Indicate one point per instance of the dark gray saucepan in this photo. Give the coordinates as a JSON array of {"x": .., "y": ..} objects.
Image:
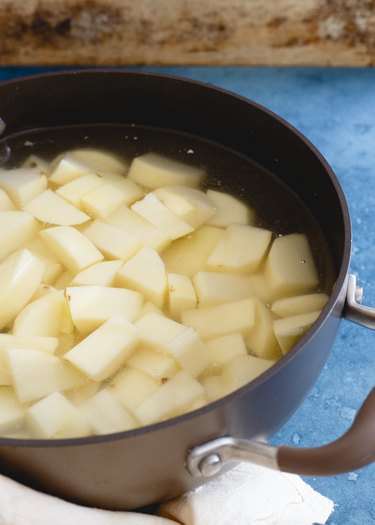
[{"x": 135, "y": 468}]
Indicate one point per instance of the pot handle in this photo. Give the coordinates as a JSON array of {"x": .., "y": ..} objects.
[
  {"x": 354, "y": 310},
  {"x": 353, "y": 450}
]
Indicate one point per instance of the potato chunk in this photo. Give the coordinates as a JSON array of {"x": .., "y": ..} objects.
[
  {"x": 288, "y": 331},
  {"x": 243, "y": 369},
  {"x": 12, "y": 412},
  {"x": 230, "y": 210},
  {"x": 103, "y": 201},
  {"x": 262, "y": 341},
  {"x": 50, "y": 208},
  {"x": 181, "y": 294},
  {"x": 300, "y": 304},
  {"x": 6, "y": 204},
  {"x": 154, "y": 171},
  {"x": 22, "y": 184},
  {"x": 157, "y": 331},
  {"x": 190, "y": 352},
  {"x": 216, "y": 288},
  {"x": 132, "y": 387},
  {"x": 111, "y": 241},
  {"x": 101, "y": 273},
  {"x": 223, "y": 349},
  {"x": 74, "y": 190},
  {"x": 290, "y": 267},
  {"x": 155, "y": 364},
  {"x": 16, "y": 229}
]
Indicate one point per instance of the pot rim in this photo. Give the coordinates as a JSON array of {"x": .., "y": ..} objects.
[{"x": 292, "y": 354}]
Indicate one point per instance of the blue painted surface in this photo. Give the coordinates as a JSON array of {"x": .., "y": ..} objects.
[{"x": 335, "y": 109}]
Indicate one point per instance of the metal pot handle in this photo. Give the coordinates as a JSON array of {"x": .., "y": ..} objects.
[{"x": 353, "y": 450}]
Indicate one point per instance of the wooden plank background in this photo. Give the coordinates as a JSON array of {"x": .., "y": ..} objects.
[{"x": 195, "y": 32}]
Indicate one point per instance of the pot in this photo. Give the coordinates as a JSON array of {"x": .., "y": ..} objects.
[{"x": 161, "y": 461}]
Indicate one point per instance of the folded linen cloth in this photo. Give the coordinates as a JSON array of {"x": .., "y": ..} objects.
[{"x": 246, "y": 495}]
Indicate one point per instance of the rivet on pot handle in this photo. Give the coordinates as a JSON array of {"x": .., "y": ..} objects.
[
  {"x": 354, "y": 310},
  {"x": 353, "y": 450}
]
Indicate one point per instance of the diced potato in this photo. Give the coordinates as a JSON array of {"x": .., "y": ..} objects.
[
  {"x": 156, "y": 213},
  {"x": 74, "y": 190},
  {"x": 16, "y": 229},
  {"x": 36, "y": 374},
  {"x": 189, "y": 255},
  {"x": 300, "y": 304},
  {"x": 12, "y": 413},
  {"x": 154, "y": 171},
  {"x": 189, "y": 204},
  {"x": 47, "y": 316},
  {"x": 223, "y": 319},
  {"x": 214, "y": 387},
  {"x": 132, "y": 223},
  {"x": 145, "y": 272},
  {"x": 243, "y": 369},
  {"x": 190, "y": 352},
  {"x": 6, "y": 204},
  {"x": 64, "y": 280},
  {"x": 149, "y": 308},
  {"x": 170, "y": 399},
  {"x": 131, "y": 191},
  {"x": 290, "y": 267},
  {"x": 223, "y": 349},
  {"x": 22, "y": 184},
  {"x": 106, "y": 415},
  {"x": 52, "y": 268},
  {"x": 34, "y": 161},
  {"x": 157, "y": 331},
  {"x": 181, "y": 294},
  {"x": 240, "y": 250},
  {"x": 102, "y": 274},
  {"x": 82, "y": 393},
  {"x": 216, "y": 288},
  {"x": 74, "y": 164},
  {"x": 288, "y": 331},
  {"x": 229, "y": 210},
  {"x": 260, "y": 288},
  {"x": 20, "y": 276},
  {"x": 50, "y": 208},
  {"x": 131, "y": 387},
  {"x": 73, "y": 249},
  {"x": 55, "y": 417},
  {"x": 117, "y": 336},
  {"x": 111, "y": 241},
  {"x": 262, "y": 341},
  {"x": 155, "y": 364},
  {"x": 91, "y": 306},
  {"x": 103, "y": 201}
]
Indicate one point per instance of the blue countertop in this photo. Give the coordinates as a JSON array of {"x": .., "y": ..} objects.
[{"x": 335, "y": 109}]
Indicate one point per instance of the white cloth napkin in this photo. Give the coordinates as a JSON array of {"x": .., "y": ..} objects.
[{"x": 246, "y": 495}]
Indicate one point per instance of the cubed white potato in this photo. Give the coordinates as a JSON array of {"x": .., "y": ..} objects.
[
  {"x": 73, "y": 164},
  {"x": 242, "y": 369},
  {"x": 154, "y": 171},
  {"x": 290, "y": 267},
  {"x": 66, "y": 342},
  {"x": 189, "y": 204},
  {"x": 145, "y": 272},
  {"x": 216, "y": 288},
  {"x": 20, "y": 277},
  {"x": 64, "y": 280},
  {"x": 155, "y": 364},
  {"x": 149, "y": 308},
  {"x": 157, "y": 331},
  {"x": 213, "y": 387},
  {"x": 156, "y": 213},
  {"x": 12, "y": 412},
  {"x": 190, "y": 352},
  {"x": 54, "y": 416},
  {"x": 223, "y": 349},
  {"x": 6, "y": 204},
  {"x": 130, "y": 189},
  {"x": 131, "y": 387},
  {"x": 176, "y": 394},
  {"x": 240, "y": 250},
  {"x": 75, "y": 251},
  {"x": 102, "y": 273},
  {"x": 50, "y": 208},
  {"x": 117, "y": 336},
  {"x": 189, "y": 254},
  {"x": 230, "y": 210},
  {"x": 36, "y": 374},
  {"x": 103, "y": 201},
  {"x": 91, "y": 306},
  {"x": 260, "y": 288},
  {"x": 74, "y": 190},
  {"x": 262, "y": 341},
  {"x": 106, "y": 415},
  {"x": 47, "y": 316},
  {"x": 181, "y": 294},
  {"x": 82, "y": 393},
  {"x": 222, "y": 319},
  {"x": 34, "y": 161},
  {"x": 300, "y": 304},
  {"x": 16, "y": 229},
  {"x": 52, "y": 268},
  {"x": 22, "y": 184},
  {"x": 132, "y": 223},
  {"x": 288, "y": 331},
  {"x": 111, "y": 241}
]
